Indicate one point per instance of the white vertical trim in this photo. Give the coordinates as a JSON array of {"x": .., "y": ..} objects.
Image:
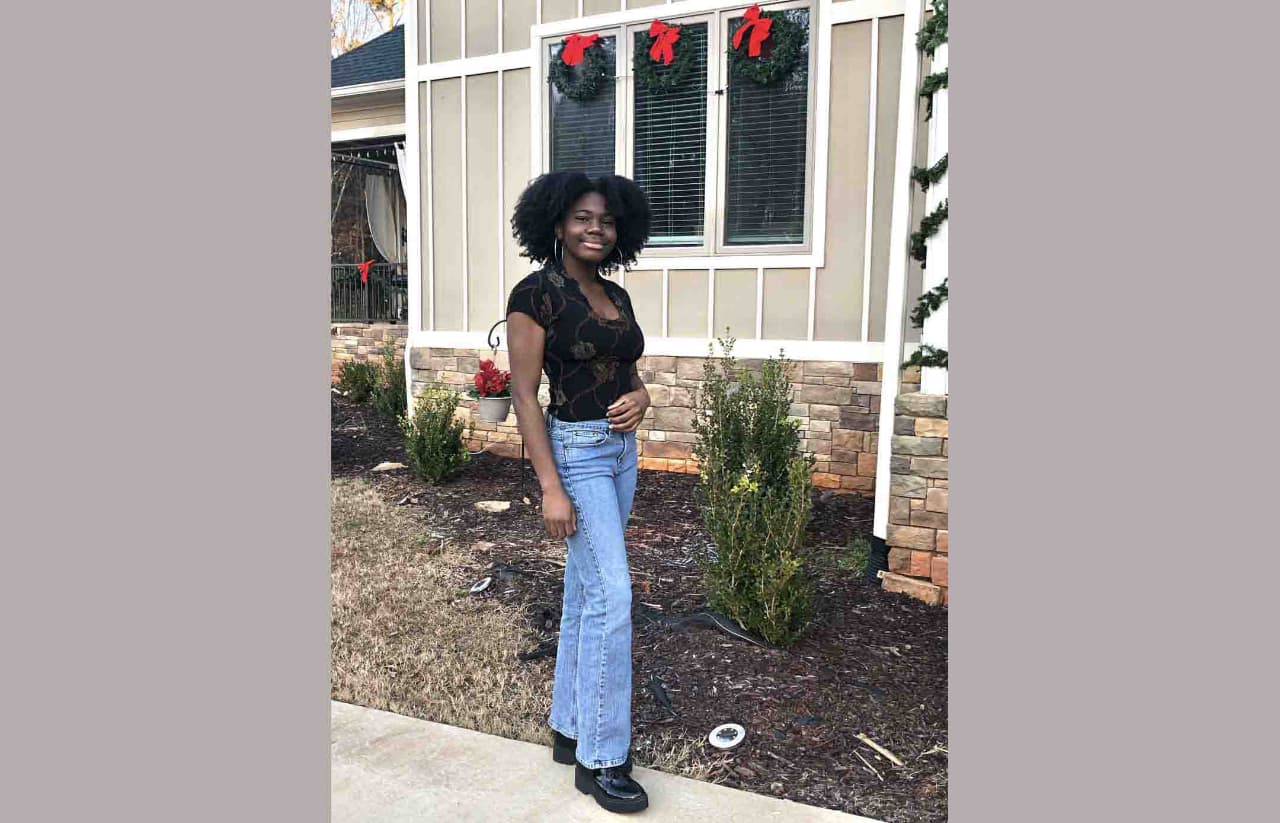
[
  {"x": 501, "y": 45},
  {"x": 813, "y": 299},
  {"x": 462, "y": 34},
  {"x": 759, "y": 302},
  {"x": 537, "y": 20},
  {"x": 579, "y": 8},
  {"x": 621, "y": 100},
  {"x": 868, "y": 233},
  {"x": 898, "y": 241},
  {"x": 537, "y": 93},
  {"x": 666, "y": 292},
  {"x": 932, "y": 380},
  {"x": 413, "y": 197},
  {"x": 502, "y": 150},
  {"x": 466, "y": 217},
  {"x": 711, "y": 303},
  {"x": 822, "y": 127}
]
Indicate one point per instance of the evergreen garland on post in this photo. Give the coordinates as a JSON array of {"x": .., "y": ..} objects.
[{"x": 932, "y": 35}]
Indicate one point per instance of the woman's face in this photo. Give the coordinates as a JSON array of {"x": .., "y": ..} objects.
[{"x": 589, "y": 231}]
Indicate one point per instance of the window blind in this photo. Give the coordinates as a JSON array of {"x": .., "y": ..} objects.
[
  {"x": 671, "y": 145},
  {"x": 582, "y": 134},
  {"x": 767, "y": 145}
]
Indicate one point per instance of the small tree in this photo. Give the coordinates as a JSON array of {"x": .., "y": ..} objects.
[
  {"x": 433, "y": 436},
  {"x": 756, "y": 493}
]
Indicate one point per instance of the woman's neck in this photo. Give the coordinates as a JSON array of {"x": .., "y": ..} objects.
[{"x": 582, "y": 271}]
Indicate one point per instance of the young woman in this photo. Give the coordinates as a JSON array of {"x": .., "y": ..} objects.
[{"x": 570, "y": 321}]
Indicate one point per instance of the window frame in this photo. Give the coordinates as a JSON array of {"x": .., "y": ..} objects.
[{"x": 716, "y": 180}]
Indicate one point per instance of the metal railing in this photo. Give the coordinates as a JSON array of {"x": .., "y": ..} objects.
[{"x": 384, "y": 299}]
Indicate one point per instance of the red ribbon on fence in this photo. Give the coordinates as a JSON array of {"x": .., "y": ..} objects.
[
  {"x": 575, "y": 45},
  {"x": 663, "y": 47},
  {"x": 364, "y": 271},
  {"x": 759, "y": 28}
]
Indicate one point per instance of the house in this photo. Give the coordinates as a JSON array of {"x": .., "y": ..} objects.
[
  {"x": 369, "y": 304},
  {"x": 782, "y": 213}
]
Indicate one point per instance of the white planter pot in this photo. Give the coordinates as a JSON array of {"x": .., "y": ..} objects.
[{"x": 494, "y": 409}]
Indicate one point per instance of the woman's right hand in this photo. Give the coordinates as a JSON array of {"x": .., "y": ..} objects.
[{"x": 557, "y": 514}]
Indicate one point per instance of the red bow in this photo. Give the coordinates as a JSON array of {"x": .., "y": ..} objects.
[
  {"x": 364, "y": 270},
  {"x": 575, "y": 45},
  {"x": 663, "y": 48},
  {"x": 759, "y": 27}
]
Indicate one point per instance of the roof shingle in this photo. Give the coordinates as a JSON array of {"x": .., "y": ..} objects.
[{"x": 381, "y": 59}]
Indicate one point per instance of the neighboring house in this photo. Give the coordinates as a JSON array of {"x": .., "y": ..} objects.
[
  {"x": 369, "y": 305},
  {"x": 782, "y": 213}
]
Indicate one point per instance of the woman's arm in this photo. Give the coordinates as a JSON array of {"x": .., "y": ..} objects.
[
  {"x": 526, "y": 341},
  {"x": 628, "y": 410}
]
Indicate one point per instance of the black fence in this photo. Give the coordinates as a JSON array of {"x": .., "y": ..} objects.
[{"x": 384, "y": 299}]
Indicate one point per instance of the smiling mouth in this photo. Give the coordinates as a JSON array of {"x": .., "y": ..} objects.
[{"x": 587, "y": 244}]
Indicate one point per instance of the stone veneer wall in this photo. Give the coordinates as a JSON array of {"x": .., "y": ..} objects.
[
  {"x": 364, "y": 341},
  {"x": 918, "y": 537},
  {"x": 837, "y": 404}
]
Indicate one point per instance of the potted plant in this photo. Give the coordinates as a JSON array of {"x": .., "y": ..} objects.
[{"x": 493, "y": 389}]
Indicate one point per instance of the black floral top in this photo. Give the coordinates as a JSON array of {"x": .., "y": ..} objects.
[{"x": 589, "y": 360}]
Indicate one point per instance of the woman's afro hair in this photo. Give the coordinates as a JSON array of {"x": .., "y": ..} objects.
[{"x": 546, "y": 203}]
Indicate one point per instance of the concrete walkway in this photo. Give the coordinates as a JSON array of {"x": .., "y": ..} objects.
[{"x": 392, "y": 769}]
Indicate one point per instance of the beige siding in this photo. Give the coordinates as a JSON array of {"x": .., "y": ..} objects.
[
  {"x": 636, "y": 4},
  {"x": 687, "y": 303},
  {"x": 447, "y": 224},
  {"x": 383, "y": 109},
  {"x": 517, "y": 17},
  {"x": 886, "y": 139},
  {"x": 446, "y": 30},
  {"x": 425, "y": 215},
  {"x": 838, "y": 307},
  {"x": 558, "y": 10},
  {"x": 735, "y": 303},
  {"x": 645, "y": 289},
  {"x": 482, "y": 202},
  {"x": 482, "y": 27},
  {"x": 423, "y": 42},
  {"x": 786, "y": 304},
  {"x": 515, "y": 167},
  {"x": 590, "y": 7}
]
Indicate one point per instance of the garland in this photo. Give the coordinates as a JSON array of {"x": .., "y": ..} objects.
[
  {"x": 931, "y": 85},
  {"x": 657, "y": 77},
  {"x": 786, "y": 39},
  {"x": 933, "y": 33},
  {"x": 927, "y": 357},
  {"x": 928, "y": 303},
  {"x": 594, "y": 72},
  {"x": 927, "y": 177},
  {"x": 928, "y": 228}
]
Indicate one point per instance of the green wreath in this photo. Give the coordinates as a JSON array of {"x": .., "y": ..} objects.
[
  {"x": 781, "y": 52},
  {"x": 595, "y": 70},
  {"x": 656, "y": 77}
]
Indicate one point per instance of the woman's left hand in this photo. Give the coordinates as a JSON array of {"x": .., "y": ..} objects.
[{"x": 628, "y": 410}]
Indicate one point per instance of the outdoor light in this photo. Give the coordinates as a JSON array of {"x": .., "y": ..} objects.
[{"x": 726, "y": 735}]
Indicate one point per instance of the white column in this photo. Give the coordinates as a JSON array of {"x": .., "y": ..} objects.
[
  {"x": 413, "y": 192},
  {"x": 934, "y": 381},
  {"x": 899, "y": 234}
]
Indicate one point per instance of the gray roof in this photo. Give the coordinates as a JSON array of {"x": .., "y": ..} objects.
[{"x": 379, "y": 60}]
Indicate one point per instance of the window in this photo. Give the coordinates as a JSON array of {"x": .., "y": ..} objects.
[
  {"x": 767, "y": 150},
  {"x": 670, "y": 145},
  {"x": 725, "y": 161},
  {"x": 582, "y": 133}
]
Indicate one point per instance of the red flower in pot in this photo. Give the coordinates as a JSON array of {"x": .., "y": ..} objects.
[{"x": 493, "y": 389}]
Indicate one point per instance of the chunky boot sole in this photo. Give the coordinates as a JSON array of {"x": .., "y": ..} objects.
[{"x": 585, "y": 781}]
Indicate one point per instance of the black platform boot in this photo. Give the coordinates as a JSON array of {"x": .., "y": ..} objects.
[
  {"x": 563, "y": 751},
  {"x": 612, "y": 788}
]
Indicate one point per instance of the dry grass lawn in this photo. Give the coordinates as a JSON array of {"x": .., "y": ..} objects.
[{"x": 408, "y": 639}]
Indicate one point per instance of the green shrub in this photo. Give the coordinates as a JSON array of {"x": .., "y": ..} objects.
[
  {"x": 433, "y": 436},
  {"x": 756, "y": 492},
  {"x": 356, "y": 379},
  {"x": 858, "y": 554},
  {"x": 388, "y": 394}
]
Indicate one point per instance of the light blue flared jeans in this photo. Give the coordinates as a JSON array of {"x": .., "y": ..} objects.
[{"x": 591, "y": 698}]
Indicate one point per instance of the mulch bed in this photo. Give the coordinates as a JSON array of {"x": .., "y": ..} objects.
[{"x": 873, "y": 663}]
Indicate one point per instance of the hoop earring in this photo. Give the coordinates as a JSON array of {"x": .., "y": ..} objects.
[{"x": 559, "y": 252}]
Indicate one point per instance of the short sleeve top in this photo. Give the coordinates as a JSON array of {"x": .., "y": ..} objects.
[{"x": 588, "y": 359}]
